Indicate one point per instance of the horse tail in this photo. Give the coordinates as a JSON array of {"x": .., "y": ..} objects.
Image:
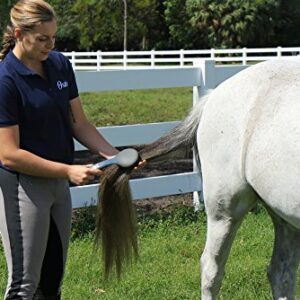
[{"x": 116, "y": 226}]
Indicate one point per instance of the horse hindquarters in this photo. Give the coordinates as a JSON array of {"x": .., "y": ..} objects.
[
  {"x": 272, "y": 167},
  {"x": 249, "y": 135}
]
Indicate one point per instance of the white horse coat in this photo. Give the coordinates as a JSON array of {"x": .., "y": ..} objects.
[{"x": 249, "y": 146}]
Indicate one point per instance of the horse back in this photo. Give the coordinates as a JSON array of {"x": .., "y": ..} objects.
[{"x": 250, "y": 128}]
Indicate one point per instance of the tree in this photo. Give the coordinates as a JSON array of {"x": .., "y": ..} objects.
[
  {"x": 139, "y": 18},
  {"x": 111, "y": 25},
  {"x": 98, "y": 24},
  {"x": 67, "y": 32},
  {"x": 181, "y": 33},
  {"x": 5, "y": 7},
  {"x": 106, "y": 25},
  {"x": 287, "y": 28},
  {"x": 235, "y": 23},
  {"x": 125, "y": 25},
  {"x": 146, "y": 24},
  {"x": 125, "y": 18}
]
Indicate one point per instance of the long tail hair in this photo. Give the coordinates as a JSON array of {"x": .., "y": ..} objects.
[{"x": 116, "y": 226}]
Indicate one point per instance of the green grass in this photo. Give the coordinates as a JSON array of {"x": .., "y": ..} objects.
[
  {"x": 136, "y": 107},
  {"x": 170, "y": 246},
  {"x": 169, "y": 263},
  {"x": 168, "y": 267}
]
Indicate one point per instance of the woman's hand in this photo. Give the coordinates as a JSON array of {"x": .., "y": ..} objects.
[
  {"x": 82, "y": 174},
  {"x": 141, "y": 164}
]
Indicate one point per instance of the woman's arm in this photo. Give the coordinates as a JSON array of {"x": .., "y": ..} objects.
[
  {"x": 87, "y": 134},
  {"x": 11, "y": 156}
]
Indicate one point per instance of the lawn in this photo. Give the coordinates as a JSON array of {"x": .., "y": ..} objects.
[
  {"x": 137, "y": 107},
  {"x": 168, "y": 268},
  {"x": 170, "y": 248}
]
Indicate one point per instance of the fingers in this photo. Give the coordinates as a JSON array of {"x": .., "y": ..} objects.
[
  {"x": 83, "y": 174},
  {"x": 141, "y": 164},
  {"x": 85, "y": 179},
  {"x": 80, "y": 174},
  {"x": 91, "y": 174},
  {"x": 92, "y": 171}
]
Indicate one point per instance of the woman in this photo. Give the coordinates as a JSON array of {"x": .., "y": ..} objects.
[{"x": 40, "y": 113}]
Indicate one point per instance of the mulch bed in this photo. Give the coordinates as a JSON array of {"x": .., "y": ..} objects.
[{"x": 178, "y": 162}]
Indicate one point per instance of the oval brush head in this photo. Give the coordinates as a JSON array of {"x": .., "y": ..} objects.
[
  {"x": 124, "y": 159},
  {"x": 127, "y": 158}
]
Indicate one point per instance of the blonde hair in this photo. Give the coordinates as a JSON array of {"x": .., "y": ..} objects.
[{"x": 25, "y": 14}]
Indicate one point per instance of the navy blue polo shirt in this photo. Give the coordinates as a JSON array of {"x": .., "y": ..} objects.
[{"x": 39, "y": 107}]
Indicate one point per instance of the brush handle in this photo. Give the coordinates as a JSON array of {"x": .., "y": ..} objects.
[
  {"x": 125, "y": 158},
  {"x": 105, "y": 163}
]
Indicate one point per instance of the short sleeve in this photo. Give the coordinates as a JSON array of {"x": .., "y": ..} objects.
[
  {"x": 9, "y": 113},
  {"x": 73, "y": 89}
]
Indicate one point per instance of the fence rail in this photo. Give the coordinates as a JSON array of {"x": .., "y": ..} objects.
[
  {"x": 202, "y": 75},
  {"x": 98, "y": 60}
]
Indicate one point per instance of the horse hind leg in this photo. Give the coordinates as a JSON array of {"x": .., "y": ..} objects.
[
  {"x": 224, "y": 216},
  {"x": 282, "y": 271}
]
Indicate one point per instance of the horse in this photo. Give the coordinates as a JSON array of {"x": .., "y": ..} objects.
[{"x": 246, "y": 135}]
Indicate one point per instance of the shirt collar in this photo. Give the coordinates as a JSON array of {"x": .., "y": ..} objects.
[{"x": 18, "y": 65}]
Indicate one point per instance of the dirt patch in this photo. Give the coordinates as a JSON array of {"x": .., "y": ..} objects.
[
  {"x": 153, "y": 205},
  {"x": 178, "y": 162}
]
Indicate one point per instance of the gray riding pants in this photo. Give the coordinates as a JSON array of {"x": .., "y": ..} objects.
[{"x": 35, "y": 221}]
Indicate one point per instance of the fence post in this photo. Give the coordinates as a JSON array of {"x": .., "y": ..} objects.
[
  {"x": 152, "y": 58},
  {"x": 207, "y": 73},
  {"x": 244, "y": 56},
  {"x": 181, "y": 55},
  {"x": 124, "y": 59},
  {"x": 212, "y": 53},
  {"x": 98, "y": 60},
  {"x": 73, "y": 55},
  {"x": 279, "y": 51},
  {"x": 207, "y": 66}
]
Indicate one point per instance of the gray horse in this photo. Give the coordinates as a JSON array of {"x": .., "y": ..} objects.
[{"x": 247, "y": 135}]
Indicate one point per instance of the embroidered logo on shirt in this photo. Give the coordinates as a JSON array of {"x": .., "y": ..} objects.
[{"x": 62, "y": 85}]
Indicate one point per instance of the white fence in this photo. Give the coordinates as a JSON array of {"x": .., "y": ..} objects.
[
  {"x": 99, "y": 60},
  {"x": 202, "y": 75}
]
